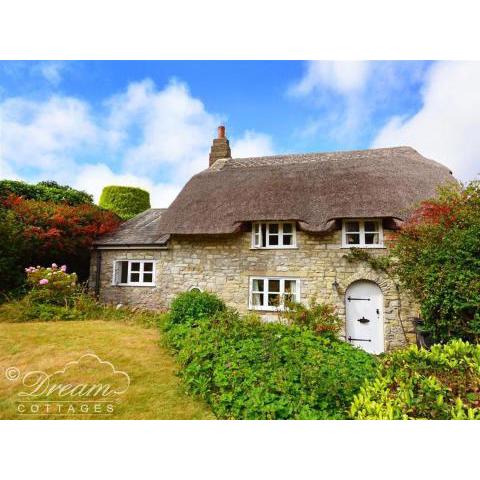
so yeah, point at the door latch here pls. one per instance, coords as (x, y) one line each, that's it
(363, 320)
(350, 339)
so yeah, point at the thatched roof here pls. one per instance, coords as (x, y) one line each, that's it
(313, 189)
(139, 230)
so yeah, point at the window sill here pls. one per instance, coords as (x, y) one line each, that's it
(274, 248)
(133, 285)
(267, 310)
(379, 247)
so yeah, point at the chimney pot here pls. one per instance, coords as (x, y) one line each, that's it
(221, 131)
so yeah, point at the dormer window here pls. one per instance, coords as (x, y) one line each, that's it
(362, 233)
(274, 235)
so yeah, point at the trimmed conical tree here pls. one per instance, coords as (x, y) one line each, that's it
(126, 202)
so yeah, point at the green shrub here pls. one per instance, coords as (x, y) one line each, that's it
(48, 191)
(321, 318)
(126, 202)
(247, 369)
(189, 307)
(52, 285)
(12, 251)
(438, 260)
(441, 383)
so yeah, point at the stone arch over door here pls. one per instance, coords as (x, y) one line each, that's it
(392, 327)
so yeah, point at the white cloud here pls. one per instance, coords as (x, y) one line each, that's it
(342, 77)
(150, 138)
(252, 144)
(447, 126)
(52, 71)
(44, 135)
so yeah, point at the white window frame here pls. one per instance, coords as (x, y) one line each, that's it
(129, 271)
(280, 235)
(265, 306)
(362, 244)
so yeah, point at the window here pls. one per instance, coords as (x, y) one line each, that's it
(195, 289)
(362, 233)
(274, 235)
(270, 293)
(134, 272)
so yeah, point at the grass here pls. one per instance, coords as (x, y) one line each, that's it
(155, 392)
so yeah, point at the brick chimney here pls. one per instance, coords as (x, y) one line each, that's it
(220, 148)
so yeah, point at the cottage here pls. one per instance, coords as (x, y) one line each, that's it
(259, 230)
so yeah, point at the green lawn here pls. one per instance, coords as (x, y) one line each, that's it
(154, 391)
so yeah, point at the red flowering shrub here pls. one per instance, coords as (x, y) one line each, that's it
(58, 232)
(438, 252)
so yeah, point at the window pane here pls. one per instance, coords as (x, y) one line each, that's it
(371, 238)
(257, 285)
(134, 277)
(148, 277)
(287, 240)
(273, 300)
(290, 286)
(273, 228)
(352, 226)
(274, 286)
(257, 228)
(148, 267)
(257, 299)
(273, 239)
(287, 227)
(353, 239)
(135, 267)
(371, 226)
(264, 234)
(123, 272)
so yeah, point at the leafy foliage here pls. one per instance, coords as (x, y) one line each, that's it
(51, 285)
(247, 369)
(48, 191)
(12, 250)
(189, 307)
(45, 232)
(126, 202)
(321, 318)
(438, 260)
(443, 383)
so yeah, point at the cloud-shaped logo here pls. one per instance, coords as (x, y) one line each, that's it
(89, 377)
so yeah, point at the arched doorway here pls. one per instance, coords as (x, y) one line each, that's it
(364, 316)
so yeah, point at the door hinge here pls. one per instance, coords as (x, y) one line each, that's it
(352, 298)
(350, 339)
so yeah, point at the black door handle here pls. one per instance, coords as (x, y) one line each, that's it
(363, 320)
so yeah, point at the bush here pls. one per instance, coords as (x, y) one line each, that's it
(48, 191)
(247, 369)
(189, 307)
(321, 318)
(12, 251)
(443, 383)
(438, 260)
(52, 285)
(126, 202)
(51, 232)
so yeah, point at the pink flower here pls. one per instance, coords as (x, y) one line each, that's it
(54, 265)
(43, 281)
(63, 268)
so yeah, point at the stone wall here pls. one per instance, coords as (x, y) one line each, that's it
(224, 264)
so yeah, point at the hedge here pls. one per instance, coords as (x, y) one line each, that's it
(126, 202)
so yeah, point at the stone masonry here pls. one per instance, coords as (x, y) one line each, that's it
(223, 265)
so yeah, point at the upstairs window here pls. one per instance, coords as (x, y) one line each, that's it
(271, 293)
(134, 272)
(362, 233)
(274, 235)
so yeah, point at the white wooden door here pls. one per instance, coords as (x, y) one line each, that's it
(364, 316)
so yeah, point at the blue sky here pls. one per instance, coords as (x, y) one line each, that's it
(151, 123)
